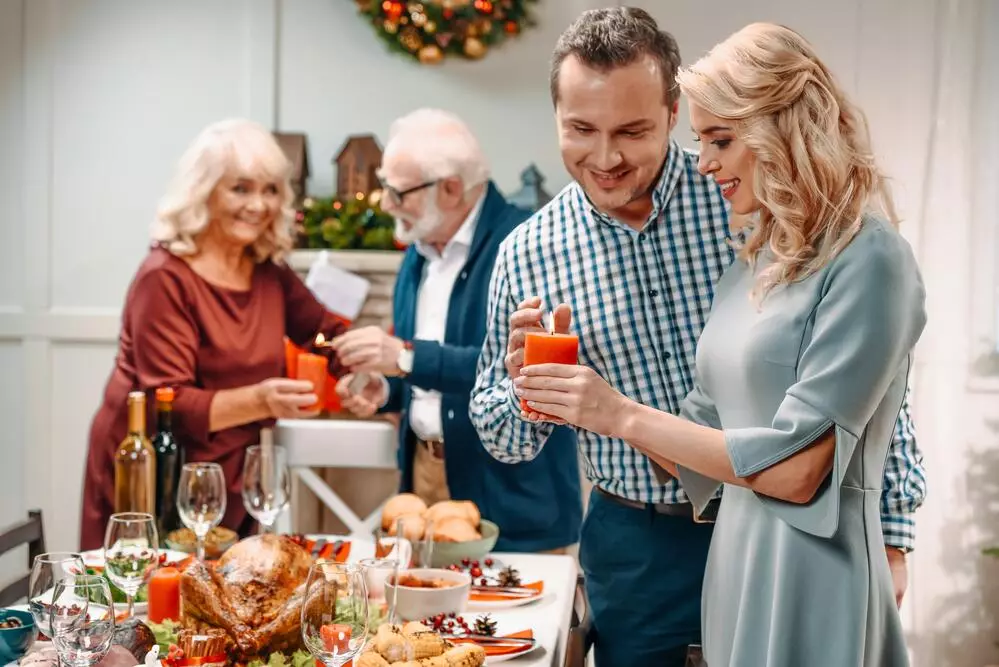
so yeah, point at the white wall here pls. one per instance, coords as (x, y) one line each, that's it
(99, 97)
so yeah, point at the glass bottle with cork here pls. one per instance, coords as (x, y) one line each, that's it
(135, 463)
(169, 459)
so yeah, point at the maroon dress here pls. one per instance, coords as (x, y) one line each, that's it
(181, 331)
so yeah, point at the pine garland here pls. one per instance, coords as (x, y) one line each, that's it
(352, 224)
(431, 29)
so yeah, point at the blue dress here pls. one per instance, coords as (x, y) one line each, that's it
(791, 585)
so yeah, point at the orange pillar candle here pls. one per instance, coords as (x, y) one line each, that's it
(314, 368)
(164, 595)
(291, 352)
(549, 348)
(336, 636)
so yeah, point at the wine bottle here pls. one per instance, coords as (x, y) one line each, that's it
(135, 463)
(169, 459)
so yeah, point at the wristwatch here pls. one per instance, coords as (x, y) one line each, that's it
(405, 359)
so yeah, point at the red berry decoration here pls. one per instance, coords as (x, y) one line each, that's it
(465, 562)
(476, 572)
(475, 563)
(489, 562)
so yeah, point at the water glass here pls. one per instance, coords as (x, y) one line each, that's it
(47, 570)
(335, 612)
(82, 620)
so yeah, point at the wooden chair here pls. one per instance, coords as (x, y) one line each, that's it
(28, 532)
(580, 639)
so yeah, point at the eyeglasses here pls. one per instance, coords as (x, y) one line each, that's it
(396, 196)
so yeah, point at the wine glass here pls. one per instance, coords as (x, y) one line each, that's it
(82, 619)
(377, 572)
(335, 612)
(266, 483)
(131, 552)
(46, 571)
(201, 499)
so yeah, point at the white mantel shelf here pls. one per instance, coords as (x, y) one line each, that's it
(356, 261)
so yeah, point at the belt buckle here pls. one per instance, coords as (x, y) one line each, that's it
(436, 448)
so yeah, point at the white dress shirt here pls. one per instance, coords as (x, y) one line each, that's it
(432, 301)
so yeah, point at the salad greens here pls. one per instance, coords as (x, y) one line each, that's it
(117, 595)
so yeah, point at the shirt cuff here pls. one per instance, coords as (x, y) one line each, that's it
(899, 530)
(388, 391)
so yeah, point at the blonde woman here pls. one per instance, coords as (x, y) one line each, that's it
(801, 368)
(206, 314)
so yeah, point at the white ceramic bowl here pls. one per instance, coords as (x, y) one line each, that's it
(416, 604)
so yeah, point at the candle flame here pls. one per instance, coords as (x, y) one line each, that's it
(320, 339)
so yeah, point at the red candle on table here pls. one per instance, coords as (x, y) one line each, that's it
(164, 595)
(336, 635)
(549, 348)
(314, 368)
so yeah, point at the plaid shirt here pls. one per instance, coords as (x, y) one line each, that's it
(639, 301)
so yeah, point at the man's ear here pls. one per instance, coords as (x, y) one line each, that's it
(674, 115)
(452, 190)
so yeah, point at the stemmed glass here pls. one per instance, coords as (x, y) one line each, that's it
(266, 483)
(131, 552)
(82, 619)
(335, 612)
(201, 499)
(47, 570)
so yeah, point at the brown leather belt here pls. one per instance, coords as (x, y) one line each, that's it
(435, 447)
(685, 510)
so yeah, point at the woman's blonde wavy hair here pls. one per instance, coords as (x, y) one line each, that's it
(815, 172)
(237, 146)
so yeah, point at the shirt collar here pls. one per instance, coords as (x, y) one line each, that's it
(463, 237)
(661, 192)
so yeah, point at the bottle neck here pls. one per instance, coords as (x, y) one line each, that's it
(137, 417)
(164, 418)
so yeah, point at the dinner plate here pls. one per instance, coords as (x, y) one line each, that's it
(491, 605)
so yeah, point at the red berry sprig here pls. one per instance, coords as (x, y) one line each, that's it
(474, 569)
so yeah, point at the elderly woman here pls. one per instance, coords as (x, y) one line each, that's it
(801, 368)
(207, 313)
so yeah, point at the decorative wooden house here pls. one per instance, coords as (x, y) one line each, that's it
(296, 149)
(357, 164)
(532, 194)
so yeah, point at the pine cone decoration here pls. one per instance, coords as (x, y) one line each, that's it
(509, 577)
(485, 625)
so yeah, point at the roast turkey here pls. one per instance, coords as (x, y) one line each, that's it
(254, 593)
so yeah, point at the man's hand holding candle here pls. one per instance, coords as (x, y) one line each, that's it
(362, 394)
(527, 319)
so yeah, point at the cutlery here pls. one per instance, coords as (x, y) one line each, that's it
(511, 591)
(494, 641)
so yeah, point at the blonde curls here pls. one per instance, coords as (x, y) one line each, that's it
(236, 145)
(815, 173)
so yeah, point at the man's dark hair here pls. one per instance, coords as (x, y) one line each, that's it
(605, 39)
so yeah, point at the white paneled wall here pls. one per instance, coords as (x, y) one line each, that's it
(99, 97)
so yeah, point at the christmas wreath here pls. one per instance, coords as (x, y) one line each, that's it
(431, 29)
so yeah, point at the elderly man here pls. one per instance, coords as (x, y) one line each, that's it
(436, 185)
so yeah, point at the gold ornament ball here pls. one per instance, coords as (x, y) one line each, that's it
(431, 55)
(375, 197)
(474, 48)
(418, 19)
(429, 27)
(410, 39)
(391, 27)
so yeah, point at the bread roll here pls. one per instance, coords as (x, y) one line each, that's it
(473, 512)
(401, 505)
(445, 509)
(414, 527)
(455, 529)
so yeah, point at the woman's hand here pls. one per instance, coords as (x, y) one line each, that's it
(367, 399)
(571, 394)
(285, 399)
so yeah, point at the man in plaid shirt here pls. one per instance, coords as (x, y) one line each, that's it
(633, 247)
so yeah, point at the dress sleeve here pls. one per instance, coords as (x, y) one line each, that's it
(697, 407)
(165, 342)
(868, 318)
(305, 316)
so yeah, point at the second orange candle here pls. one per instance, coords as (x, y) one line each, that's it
(314, 367)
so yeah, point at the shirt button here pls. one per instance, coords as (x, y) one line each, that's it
(464, 274)
(653, 292)
(450, 414)
(641, 237)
